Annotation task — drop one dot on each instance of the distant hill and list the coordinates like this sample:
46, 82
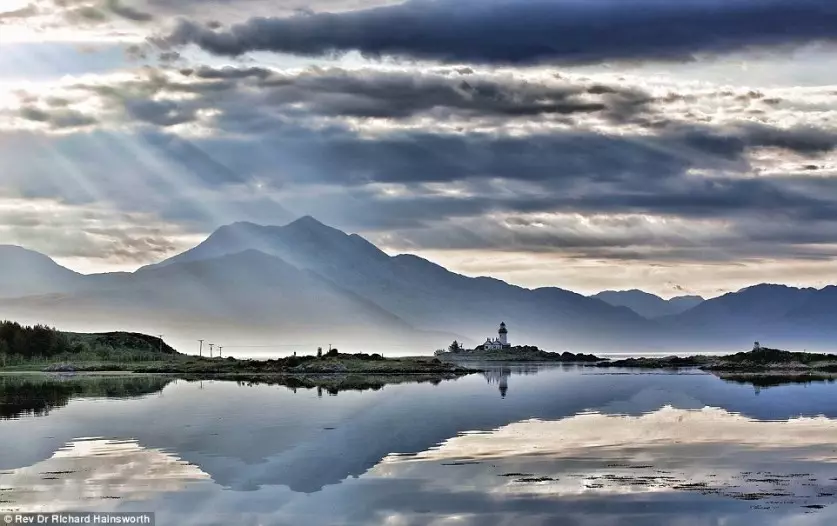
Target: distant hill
773, 314
25, 272
648, 305
307, 284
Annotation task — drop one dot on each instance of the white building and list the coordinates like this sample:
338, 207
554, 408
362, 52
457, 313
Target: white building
499, 343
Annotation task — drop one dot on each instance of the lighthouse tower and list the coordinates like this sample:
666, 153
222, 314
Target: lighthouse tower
503, 332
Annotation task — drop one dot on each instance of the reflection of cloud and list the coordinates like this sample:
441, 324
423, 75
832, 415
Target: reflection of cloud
95, 470
708, 451
586, 431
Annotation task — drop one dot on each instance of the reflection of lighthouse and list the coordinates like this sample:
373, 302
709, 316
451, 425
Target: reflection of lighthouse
500, 376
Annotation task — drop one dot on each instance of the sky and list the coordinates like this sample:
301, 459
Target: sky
684, 147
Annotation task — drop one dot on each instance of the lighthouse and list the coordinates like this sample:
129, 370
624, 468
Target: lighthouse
503, 332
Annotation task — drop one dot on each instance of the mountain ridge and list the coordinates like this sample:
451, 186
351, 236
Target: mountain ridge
306, 276
648, 305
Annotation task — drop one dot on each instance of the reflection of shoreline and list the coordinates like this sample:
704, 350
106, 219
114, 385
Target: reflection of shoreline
762, 380
332, 384
37, 395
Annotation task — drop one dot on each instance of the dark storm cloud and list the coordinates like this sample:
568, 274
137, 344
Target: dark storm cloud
587, 173
194, 183
528, 31
394, 95
594, 158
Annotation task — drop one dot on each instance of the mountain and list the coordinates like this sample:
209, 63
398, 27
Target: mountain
427, 295
684, 303
778, 315
305, 284
752, 306
25, 272
648, 305
246, 292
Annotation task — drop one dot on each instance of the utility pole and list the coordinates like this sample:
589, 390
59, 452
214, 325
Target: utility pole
200, 349
220, 351
211, 345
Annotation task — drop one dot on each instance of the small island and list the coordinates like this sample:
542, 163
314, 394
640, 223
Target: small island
500, 350
761, 360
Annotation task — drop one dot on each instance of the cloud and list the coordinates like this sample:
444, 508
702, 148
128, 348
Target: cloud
448, 159
23, 12
125, 11
529, 31
161, 113
89, 232
398, 94
59, 118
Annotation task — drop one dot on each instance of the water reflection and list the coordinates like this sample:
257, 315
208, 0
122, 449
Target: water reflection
761, 381
38, 394
499, 374
564, 446
333, 384
707, 452
93, 471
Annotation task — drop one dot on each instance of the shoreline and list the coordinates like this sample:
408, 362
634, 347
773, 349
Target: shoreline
762, 361
289, 367
758, 361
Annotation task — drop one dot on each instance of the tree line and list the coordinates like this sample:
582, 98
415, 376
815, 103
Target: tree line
38, 341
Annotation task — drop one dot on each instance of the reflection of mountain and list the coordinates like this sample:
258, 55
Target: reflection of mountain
250, 437
39, 394
97, 470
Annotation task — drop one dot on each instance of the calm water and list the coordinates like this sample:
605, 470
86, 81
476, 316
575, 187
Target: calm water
518, 446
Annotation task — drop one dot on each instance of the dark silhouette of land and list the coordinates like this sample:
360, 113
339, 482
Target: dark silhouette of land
761, 360
517, 353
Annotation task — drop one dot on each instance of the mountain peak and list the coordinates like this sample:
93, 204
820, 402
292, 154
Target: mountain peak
307, 222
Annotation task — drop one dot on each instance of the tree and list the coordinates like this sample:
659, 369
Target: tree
319, 352
454, 347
